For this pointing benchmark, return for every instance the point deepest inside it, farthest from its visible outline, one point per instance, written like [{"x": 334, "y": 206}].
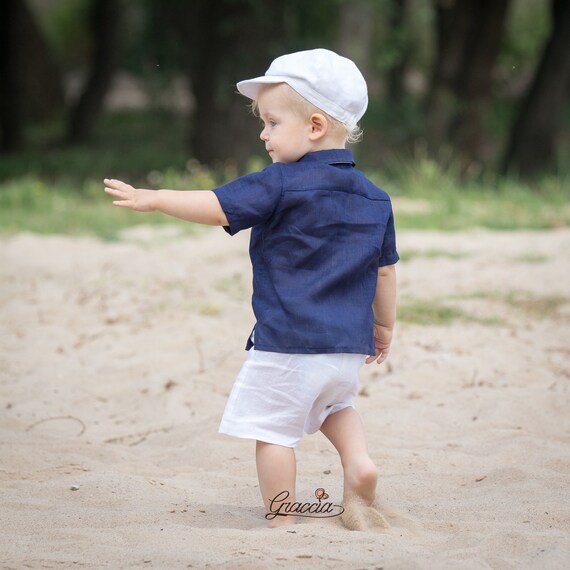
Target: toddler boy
[{"x": 323, "y": 251}]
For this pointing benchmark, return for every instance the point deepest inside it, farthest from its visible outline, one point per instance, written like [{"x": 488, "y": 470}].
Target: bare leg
[
  {"x": 276, "y": 471},
  {"x": 345, "y": 431}
]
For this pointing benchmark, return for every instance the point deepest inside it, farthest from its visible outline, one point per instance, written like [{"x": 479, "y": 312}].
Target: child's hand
[
  {"x": 134, "y": 198},
  {"x": 382, "y": 341}
]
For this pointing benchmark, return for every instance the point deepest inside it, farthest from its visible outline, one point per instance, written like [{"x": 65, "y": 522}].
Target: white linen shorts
[{"x": 278, "y": 397}]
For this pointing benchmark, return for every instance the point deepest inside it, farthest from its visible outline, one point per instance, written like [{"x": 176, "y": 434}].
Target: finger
[
  {"x": 110, "y": 182},
  {"x": 121, "y": 196},
  {"x": 120, "y": 192},
  {"x": 383, "y": 356},
  {"x": 116, "y": 184},
  {"x": 372, "y": 359},
  {"x": 378, "y": 358},
  {"x": 123, "y": 203},
  {"x": 114, "y": 192}
]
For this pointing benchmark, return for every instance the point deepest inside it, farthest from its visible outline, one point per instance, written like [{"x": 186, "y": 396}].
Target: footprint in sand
[{"x": 359, "y": 516}]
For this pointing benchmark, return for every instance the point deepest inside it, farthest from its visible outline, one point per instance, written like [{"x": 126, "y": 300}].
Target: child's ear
[{"x": 319, "y": 126}]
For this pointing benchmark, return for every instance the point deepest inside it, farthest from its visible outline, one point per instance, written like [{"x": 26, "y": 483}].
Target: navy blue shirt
[{"x": 320, "y": 230}]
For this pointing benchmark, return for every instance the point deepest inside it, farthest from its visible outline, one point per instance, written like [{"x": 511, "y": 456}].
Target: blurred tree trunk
[
  {"x": 357, "y": 26},
  {"x": 30, "y": 82},
  {"x": 397, "y": 74},
  {"x": 105, "y": 23},
  {"x": 532, "y": 144},
  {"x": 469, "y": 36},
  {"x": 224, "y": 41},
  {"x": 12, "y": 17}
]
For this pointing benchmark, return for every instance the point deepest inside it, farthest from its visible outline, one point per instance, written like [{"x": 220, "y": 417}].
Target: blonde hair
[{"x": 351, "y": 133}]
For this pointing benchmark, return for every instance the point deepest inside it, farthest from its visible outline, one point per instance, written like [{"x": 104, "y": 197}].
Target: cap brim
[{"x": 250, "y": 87}]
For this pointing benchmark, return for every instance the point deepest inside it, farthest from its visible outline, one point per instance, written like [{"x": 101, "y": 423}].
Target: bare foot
[{"x": 282, "y": 521}]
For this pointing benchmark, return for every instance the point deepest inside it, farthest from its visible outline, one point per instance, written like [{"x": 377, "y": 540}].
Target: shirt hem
[{"x": 311, "y": 350}]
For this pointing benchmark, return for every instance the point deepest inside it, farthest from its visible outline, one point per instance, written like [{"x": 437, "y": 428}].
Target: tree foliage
[
  {"x": 532, "y": 143},
  {"x": 474, "y": 81}
]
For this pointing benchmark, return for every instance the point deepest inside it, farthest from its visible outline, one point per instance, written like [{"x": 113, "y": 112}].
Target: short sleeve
[
  {"x": 251, "y": 199},
  {"x": 389, "y": 255}
]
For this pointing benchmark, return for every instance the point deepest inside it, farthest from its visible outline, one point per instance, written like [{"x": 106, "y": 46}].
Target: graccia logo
[{"x": 280, "y": 507}]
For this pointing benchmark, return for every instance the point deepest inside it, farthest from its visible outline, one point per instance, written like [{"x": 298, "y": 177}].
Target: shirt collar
[{"x": 332, "y": 156}]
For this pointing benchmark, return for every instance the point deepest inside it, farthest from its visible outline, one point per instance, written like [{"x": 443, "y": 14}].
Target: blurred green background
[{"x": 468, "y": 123}]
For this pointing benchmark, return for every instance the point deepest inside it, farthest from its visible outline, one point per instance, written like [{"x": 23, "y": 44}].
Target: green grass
[
  {"x": 428, "y": 313},
  {"x": 532, "y": 258},
  {"x": 491, "y": 201},
  {"x": 535, "y": 306},
  {"x": 434, "y": 312},
  {"x": 34, "y": 206},
  {"x": 409, "y": 254},
  {"x": 52, "y": 189},
  {"x": 437, "y": 312}
]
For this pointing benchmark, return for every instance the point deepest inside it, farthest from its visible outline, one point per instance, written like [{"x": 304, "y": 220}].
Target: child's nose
[{"x": 264, "y": 135}]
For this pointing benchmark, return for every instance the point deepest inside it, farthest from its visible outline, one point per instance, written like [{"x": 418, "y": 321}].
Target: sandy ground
[{"x": 116, "y": 360}]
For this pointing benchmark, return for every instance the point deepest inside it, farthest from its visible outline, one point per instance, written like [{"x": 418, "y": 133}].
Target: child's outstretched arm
[
  {"x": 384, "y": 307},
  {"x": 199, "y": 206}
]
